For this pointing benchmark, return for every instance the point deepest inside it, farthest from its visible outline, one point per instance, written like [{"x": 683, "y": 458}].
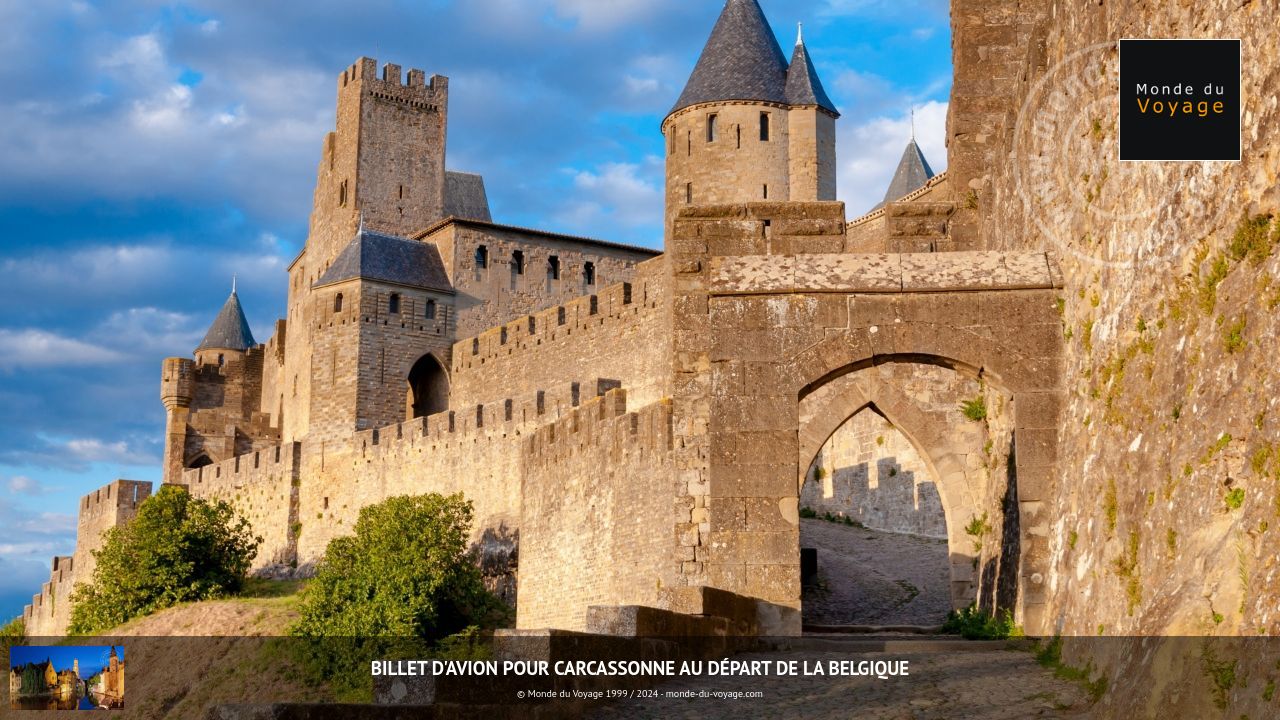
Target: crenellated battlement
[
  {"x": 605, "y": 310},
  {"x": 110, "y": 505},
  {"x": 113, "y": 499},
  {"x": 414, "y": 89}
]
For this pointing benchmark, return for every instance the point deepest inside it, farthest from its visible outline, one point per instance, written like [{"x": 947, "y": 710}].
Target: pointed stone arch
[{"x": 428, "y": 391}]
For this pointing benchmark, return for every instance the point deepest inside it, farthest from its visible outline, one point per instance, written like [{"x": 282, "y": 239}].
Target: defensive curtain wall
[{"x": 609, "y": 493}]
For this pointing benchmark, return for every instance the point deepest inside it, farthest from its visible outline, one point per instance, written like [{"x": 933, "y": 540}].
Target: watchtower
[{"x": 749, "y": 126}]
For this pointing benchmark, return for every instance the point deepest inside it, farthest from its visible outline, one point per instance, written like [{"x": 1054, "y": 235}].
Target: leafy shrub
[
  {"x": 974, "y": 624},
  {"x": 401, "y": 585},
  {"x": 1235, "y": 499},
  {"x": 808, "y": 512},
  {"x": 178, "y": 548},
  {"x": 13, "y": 633},
  {"x": 975, "y": 409}
]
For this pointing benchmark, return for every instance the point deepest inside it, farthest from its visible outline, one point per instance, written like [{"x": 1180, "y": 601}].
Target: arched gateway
[{"x": 769, "y": 309}]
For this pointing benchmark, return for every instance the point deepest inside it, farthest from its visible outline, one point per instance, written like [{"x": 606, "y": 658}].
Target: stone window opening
[
  {"x": 711, "y": 127},
  {"x": 221, "y": 360},
  {"x": 393, "y": 304},
  {"x": 401, "y": 192},
  {"x": 482, "y": 257},
  {"x": 517, "y": 262},
  {"x": 766, "y": 191},
  {"x": 337, "y": 302},
  {"x": 671, "y": 141},
  {"x": 688, "y": 193},
  {"x": 764, "y": 127},
  {"x": 589, "y": 273},
  {"x": 688, "y": 142},
  {"x": 553, "y": 272},
  {"x": 431, "y": 309},
  {"x": 738, "y": 128},
  {"x": 326, "y": 503},
  {"x": 342, "y": 193}
]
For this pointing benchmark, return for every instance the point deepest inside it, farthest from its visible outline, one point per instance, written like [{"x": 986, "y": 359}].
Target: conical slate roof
[
  {"x": 230, "y": 330},
  {"x": 386, "y": 258},
  {"x": 912, "y": 173},
  {"x": 741, "y": 60},
  {"x": 803, "y": 85}
]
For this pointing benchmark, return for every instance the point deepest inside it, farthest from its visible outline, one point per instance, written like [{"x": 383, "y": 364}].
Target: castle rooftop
[
  {"x": 803, "y": 86},
  {"x": 741, "y": 61},
  {"x": 230, "y": 329},
  {"x": 446, "y": 222},
  {"x": 386, "y": 258},
  {"x": 912, "y": 173}
]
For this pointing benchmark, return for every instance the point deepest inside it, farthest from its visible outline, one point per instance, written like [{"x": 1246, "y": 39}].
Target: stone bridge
[{"x": 780, "y": 335}]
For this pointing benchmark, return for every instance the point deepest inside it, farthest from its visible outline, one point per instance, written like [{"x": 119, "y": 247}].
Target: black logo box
[{"x": 1188, "y": 65}]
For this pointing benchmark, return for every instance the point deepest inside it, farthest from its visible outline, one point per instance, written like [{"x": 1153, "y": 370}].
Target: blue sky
[
  {"x": 92, "y": 657},
  {"x": 149, "y": 150}
]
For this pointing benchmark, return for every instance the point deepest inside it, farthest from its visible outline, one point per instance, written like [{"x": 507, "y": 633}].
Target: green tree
[
  {"x": 403, "y": 586},
  {"x": 178, "y": 548},
  {"x": 13, "y": 633},
  {"x": 405, "y": 573}
]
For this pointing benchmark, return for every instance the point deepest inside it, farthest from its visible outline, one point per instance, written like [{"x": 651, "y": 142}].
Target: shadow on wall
[
  {"x": 498, "y": 554},
  {"x": 998, "y": 585},
  {"x": 893, "y": 502}
]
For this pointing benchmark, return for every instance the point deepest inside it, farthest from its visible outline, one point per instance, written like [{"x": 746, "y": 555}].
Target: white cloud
[
  {"x": 868, "y": 153},
  {"x": 615, "y": 194},
  {"x": 166, "y": 111},
  {"x": 31, "y": 348},
  {"x": 93, "y": 450},
  {"x": 23, "y": 485},
  {"x": 150, "y": 331},
  {"x": 604, "y": 15}
]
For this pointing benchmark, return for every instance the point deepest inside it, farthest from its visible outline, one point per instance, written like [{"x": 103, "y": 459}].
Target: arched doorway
[
  {"x": 886, "y": 449},
  {"x": 428, "y": 388},
  {"x": 871, "y": 515}
]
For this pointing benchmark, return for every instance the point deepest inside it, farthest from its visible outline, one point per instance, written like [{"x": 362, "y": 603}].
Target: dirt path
[{"x": 868, "y": 577}]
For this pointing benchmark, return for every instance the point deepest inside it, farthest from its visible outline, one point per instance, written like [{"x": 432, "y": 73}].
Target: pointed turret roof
[
  {"x": 912, "y": 173},
  {"x": 803, "y": 85},
  {"x": 230, "y": 330},
  {"x": 741, "y": 60}
]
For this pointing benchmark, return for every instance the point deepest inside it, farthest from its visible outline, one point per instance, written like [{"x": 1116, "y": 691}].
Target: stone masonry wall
[
  {"x": 1165, "y": 520},
  {"x": 596, "y": 499},
  {"x": 735, "y": 165},
  {"x": 262, "y": 486},
  {"x": 766, "y": 312},
  {"x": 870, "y": 472},
  {"x": 507, "y": 289},
  {"x": 619, "y": 333},
  {"x": 49, "y": 613}
]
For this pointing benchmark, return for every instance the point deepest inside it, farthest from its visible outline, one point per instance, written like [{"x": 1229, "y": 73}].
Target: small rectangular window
[
  {"x": 764, "y": 126},
  {"x": 671, "y": 141},
  {"x": 766, "y": 192},
  {"x": 711, "y": 127},
  {"x": 688, "y": 193}
]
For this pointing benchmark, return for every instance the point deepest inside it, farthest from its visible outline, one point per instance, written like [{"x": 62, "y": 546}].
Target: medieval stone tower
[
  {"x": 749, "y": 126},
  {"x": 382, "y": 168}
]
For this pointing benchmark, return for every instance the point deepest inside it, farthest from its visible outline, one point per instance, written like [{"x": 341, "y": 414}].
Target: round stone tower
[{"x": 749, "y": 126}]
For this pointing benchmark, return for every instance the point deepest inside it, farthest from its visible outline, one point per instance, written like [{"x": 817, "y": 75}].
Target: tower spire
[
  {"x": 233, "y": 283},
  {"x": 799, "y": 33},
  {"x": 913, "y": 122}
]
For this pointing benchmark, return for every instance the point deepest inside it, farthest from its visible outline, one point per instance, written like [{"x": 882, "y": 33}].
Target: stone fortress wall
[
  {"x": 1164, "y": 522},
  {"x": 49, "y": 613}
]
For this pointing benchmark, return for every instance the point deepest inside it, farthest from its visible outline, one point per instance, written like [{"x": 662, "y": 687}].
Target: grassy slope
[{"x": 190, "y": 656}]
